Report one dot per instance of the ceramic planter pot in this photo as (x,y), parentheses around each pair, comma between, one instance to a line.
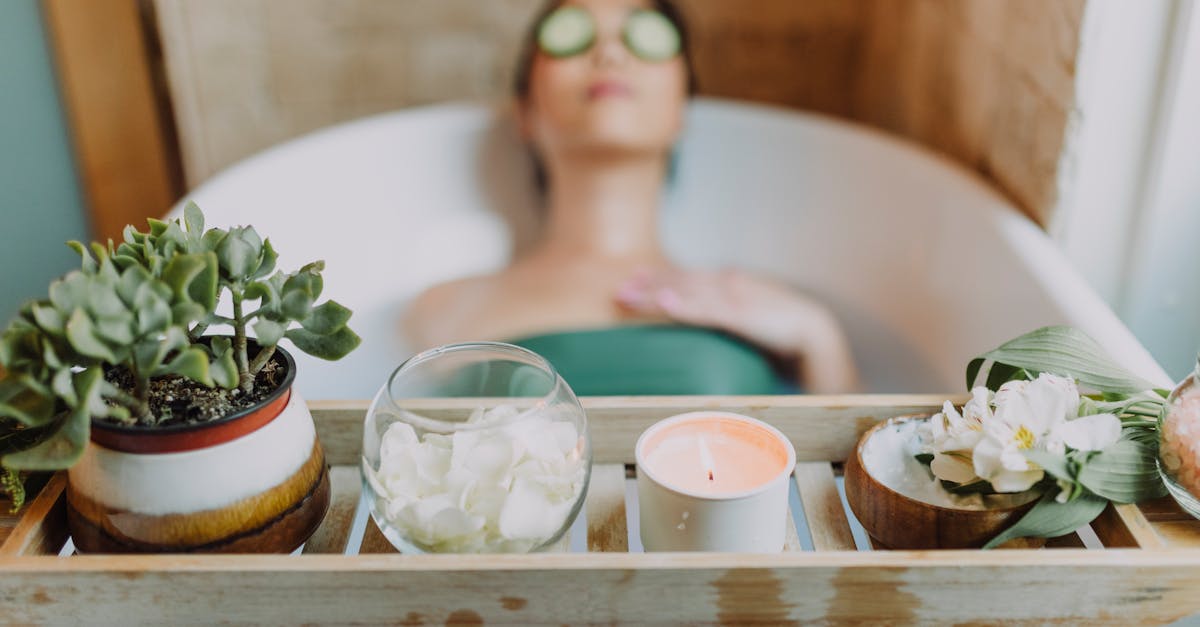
(252,482)
(896,521)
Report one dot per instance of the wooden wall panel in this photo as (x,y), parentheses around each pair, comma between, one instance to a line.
(125,153)
(988,82)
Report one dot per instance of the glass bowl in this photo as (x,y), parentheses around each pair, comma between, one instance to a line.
(1179,444)
(475,448)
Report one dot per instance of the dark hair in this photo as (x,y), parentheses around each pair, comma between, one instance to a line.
(529,44)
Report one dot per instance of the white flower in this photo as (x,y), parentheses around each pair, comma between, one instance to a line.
(1038,414)
(1027,413)
(1086,433)
(951,437)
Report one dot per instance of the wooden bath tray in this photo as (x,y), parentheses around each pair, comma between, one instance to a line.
(1134,565)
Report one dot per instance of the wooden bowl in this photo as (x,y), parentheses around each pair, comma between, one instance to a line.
(896,521)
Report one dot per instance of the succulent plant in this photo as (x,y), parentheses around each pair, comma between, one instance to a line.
(144,306)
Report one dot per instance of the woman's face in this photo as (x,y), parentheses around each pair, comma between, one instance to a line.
(605,99)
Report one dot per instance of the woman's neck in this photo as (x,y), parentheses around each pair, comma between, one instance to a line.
(604,207)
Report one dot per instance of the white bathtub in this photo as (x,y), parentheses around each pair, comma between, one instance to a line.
(925,263)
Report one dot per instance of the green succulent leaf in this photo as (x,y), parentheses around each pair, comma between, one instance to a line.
(84,339)
(266,263)
(326,318)
(155,317)
(238,253)
(193,218)
(60,450)
(28,406)
(268,333)
(194,278)
(296,304)
(70,292)
(224,370)
(49,318)
(191,363)
(331,347)
(88,264)
(116,330)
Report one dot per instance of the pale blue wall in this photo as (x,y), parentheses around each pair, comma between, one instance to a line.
(40,202)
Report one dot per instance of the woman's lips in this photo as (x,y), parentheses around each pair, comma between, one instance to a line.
(608,89)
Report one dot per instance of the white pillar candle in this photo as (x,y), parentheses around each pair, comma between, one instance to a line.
(713,481)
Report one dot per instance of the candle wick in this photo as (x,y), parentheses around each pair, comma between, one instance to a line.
(710,476)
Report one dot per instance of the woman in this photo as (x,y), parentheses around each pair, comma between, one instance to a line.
(601,92)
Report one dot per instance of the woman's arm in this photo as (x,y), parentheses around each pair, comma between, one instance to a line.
(762,311)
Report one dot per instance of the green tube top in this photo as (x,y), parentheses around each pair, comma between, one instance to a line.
(655,359)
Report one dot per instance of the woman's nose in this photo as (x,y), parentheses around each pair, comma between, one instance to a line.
(610,52)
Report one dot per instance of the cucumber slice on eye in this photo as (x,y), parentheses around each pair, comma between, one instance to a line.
(566,32)
(651,36)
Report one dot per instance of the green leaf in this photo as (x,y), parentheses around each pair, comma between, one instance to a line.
(49,318)
(193,218)
(191,363)
(268,333)
(82,336)
(266,263)
(296,304)
(331,347)
(60,450)
(70,292)
(116,330)
(224,370)
(153,318)
(238,254)
(1064,351)
(26,405)
(1056,466)
(326,318)
(157,227)
(1126,472)
(88,264)
(1050,519)
(131,279)
(194,278)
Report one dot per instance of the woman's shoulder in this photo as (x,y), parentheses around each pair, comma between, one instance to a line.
(437,315)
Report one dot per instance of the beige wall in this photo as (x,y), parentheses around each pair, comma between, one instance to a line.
(990,82)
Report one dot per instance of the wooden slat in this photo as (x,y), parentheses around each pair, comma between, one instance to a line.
(374,541)
(1069,541)
(823,509)
(905,587)
(1180,534)
(346,488)
(606,523)
(42,529)
(822,428)
(791,541)
(1124,526)
(1162,509)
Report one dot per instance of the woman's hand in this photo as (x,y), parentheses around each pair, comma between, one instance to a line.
(764,312)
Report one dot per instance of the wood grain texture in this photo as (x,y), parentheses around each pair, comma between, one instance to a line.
(823,509)
(374,541)
(822,428)
(42,529)
(1124,526)
(334,532)
(125,152)
(791,541)
(1030,587)
(606,523)
(989,83)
